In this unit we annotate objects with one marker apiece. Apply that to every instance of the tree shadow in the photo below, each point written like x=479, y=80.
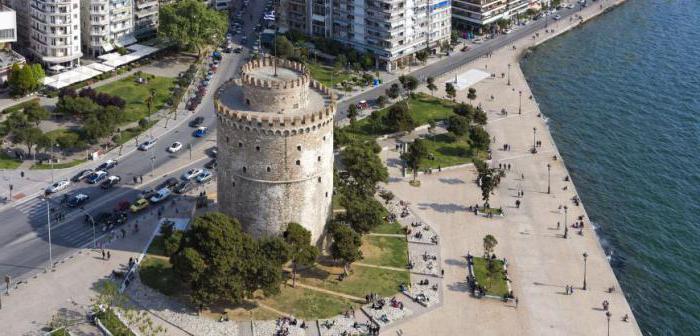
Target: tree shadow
x=456, y=262
x=451, y=181
x=443, y=208
x=458, y=287
x=393, y=162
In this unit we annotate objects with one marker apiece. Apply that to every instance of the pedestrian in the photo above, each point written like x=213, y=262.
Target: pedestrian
x=109, y=255
x=571, y=289
x=103, y=254
x=522, y=176
x=509, y=166
x=442, y=272
x=516, y=302
x=123, y=233
x=558, y=225
x=131, y=261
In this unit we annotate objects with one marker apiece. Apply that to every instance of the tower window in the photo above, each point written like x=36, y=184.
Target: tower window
x=268, y=169
x=247, y=101
x=298, y=163
x=227, y=139
x=324, y=138
x=299, y=147
x=244, y=169
x=319, y=179
x=326, y=194
x=257, y=148
x=233, y=183
x=319, y=159
x=240, y=145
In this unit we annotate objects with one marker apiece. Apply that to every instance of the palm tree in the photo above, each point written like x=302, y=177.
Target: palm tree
x=149, y=103
x=431, y=85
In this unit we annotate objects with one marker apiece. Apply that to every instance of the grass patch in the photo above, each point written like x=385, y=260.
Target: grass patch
x=448, y=150
x=70, y=164
x=388, y=228
x=113, y=324
x=59, y=332
x=324, y=74
x=135, y=94
x=156, y=248
x=244, y=312
x=20, y=106
x=491, y=211
x=361, y=281
x=7, y=162
x=307, y=304
x=157, y=273
x=132, y=132
x=494, y=282
x=385, y=251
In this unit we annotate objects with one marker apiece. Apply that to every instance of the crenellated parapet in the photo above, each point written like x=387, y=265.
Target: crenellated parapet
x=250, y=78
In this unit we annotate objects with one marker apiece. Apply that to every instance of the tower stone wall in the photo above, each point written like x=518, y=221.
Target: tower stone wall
x=275, y=161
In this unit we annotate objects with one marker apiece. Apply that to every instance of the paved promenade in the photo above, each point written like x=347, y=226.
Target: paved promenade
x=541, y=262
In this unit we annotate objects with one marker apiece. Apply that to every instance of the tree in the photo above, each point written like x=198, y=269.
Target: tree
x=192, y=24
x=36, y=113
x=414, y=156
x=346, y=246
x=458, y=125
x=352, y=112
x=393, y=91
x=431, y=85
x=283, y=46
x=422, y=56
x=381, y=101
x=464, y=110
x=362, y=211
x=364, y=166
x=28, y=136
x=480, y=116
x=398, y=119
x=480, y=137
x=409, y=83
x=450, y=90
x=471, y=94
x=490, y=243
x=386, y=195
x=301, y=251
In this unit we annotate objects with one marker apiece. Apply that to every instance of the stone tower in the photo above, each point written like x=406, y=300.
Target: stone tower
x=275, y=140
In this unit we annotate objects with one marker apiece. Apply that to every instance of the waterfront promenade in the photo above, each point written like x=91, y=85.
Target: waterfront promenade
x=542, y=262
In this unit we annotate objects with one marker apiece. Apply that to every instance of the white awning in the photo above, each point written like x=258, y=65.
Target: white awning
x=75, y=75
x=469, y=78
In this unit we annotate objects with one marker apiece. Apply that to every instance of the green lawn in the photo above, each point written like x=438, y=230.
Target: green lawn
x=308, y=304
x=132, y=132
x=7, y=162
x=113, y=324
x=20, y=106
x=157, y=273
x=135, y=94
x=448, y=150
x=361, y=281
x=388, y=228
x=385, y=251
x=63, y=165
x=156, y=247
x=324, y=74
x=495, y=283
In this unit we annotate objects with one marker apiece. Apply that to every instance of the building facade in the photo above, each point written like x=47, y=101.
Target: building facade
x=477, y=14
x=146, y=19
x=275, y=141
x=106, y=25
x=8, y=35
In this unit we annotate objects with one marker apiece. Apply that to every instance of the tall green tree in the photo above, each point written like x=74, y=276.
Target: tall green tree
x=398, y=118
x=362, y=211
x=489, y=243
x=345, y=246
x=464, y=110
x=393, y=91
x=352, y=112
x=36, y=113
x=431, y=85
x=301, y=251
x=458, y=125
x=283, y=46
x=364, y=166
x=28, y=136
x=192, y=24
x=415, y=155
x=409, y=83
x=471, y=94
x=480, y=137
x=450, y=91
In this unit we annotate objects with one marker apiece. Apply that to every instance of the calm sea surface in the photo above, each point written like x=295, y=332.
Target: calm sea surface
x=623, y=97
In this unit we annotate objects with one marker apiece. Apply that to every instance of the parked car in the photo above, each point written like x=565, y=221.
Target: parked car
x=110, y=182
x=139, y=205
x=183, y=187
x=211, y=164
x=148, y=193
x=196, y=122
x=82, y=175
x=176, y=146
x=146, y=145
x=161, y=195
x=192, y=173
x=107, y=165
x=96, y=177
x=170, y=183
x=205, y=176
x=200, y=132
x=57, y=186
x=77, y=200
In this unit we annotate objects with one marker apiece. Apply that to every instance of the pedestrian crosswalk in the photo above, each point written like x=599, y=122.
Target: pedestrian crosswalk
x=67, y=225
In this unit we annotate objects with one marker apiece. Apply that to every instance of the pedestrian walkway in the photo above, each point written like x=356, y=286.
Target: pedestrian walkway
x=381, y=267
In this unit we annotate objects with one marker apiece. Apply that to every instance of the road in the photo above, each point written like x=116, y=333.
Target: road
x=24, y=234
x=458, y=59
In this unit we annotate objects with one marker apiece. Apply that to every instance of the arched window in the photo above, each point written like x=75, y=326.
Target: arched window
x=269, y=169
x=298, y=163
x=319, y=179
x=319, y=159
x=257, y=148
x=240, y=145
x=299, y=148
x=244, y=169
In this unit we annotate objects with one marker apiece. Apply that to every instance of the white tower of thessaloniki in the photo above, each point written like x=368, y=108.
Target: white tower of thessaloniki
x=275, y=142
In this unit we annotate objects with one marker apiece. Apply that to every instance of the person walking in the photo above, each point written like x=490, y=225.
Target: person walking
x=103, y=254
x=109, y=255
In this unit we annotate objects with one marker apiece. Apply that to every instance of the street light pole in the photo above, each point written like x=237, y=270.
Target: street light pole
x=189, y=146
x=48, y=219
x=153, y=159
x=508, y=74
x=520, y=102
x=549, y=186
x=608, y=314
x=534, y=143
x=566, y=226
x=585, y=257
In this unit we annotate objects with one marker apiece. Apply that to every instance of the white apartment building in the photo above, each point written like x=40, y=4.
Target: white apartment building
x=476, y=14
x=393, y=30
x=8, y=35
x=107, y=25
x=146, y=18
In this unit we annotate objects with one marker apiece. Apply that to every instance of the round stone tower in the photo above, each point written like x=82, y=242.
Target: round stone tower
x=275, y=142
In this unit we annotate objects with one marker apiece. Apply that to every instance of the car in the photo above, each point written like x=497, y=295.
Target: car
x=97, y=176
x=183, y=187
x=110, y=182
x=57, y=186
x=77, y=200
x=176, y=146
x=139, y=205
x=214, y=151
x=238, y=50
x=107, y=165
x=200, y=132
x=146, y=145
x=161, y=195
x=196, y=122
x=81, y=175
x=211, y=164
x=192, y=173
x=557, y=17
x=205, y=176
x=170, y=183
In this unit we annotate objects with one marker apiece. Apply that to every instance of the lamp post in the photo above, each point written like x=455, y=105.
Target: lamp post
x=508, y=74
x=520, y=102
x=189, y=147
x=48, y=221
x=566, y=227
x=549, y=171
x=534, y=141
x=608, y=314
x=585, y=257
x=153, y=159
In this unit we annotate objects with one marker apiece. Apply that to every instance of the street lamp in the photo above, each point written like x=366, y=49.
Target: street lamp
x=189, y=146
x=608, y=314
x=48, y=221
x=520, y=102
x=153, y=159
x=585, y=257
x=534, y=143
x=549, y=171
x=508, y=74
x=566, y=227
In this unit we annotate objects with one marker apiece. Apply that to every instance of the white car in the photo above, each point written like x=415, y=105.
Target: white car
x=146, y=145
x=176, y=146
x=192, y=173
x=57, y=186
x=205, y=176
x=161, y=195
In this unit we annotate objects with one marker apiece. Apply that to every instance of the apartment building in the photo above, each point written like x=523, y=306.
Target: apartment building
x=8, y=35
x=476, y=14
x=146, y=18
x=106, y=25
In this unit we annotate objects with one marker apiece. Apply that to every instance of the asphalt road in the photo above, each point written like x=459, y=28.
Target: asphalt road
x=24, y=233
